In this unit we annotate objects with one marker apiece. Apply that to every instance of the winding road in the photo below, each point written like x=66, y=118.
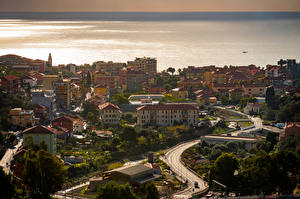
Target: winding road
x=7, y=158
x=173, y=159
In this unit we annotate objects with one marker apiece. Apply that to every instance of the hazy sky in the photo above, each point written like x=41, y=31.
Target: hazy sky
x=148, y=5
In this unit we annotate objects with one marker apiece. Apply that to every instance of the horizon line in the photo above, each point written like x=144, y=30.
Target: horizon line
x=226, y=11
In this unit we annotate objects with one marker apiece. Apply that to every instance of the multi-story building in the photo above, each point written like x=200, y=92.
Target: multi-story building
x=49, y=81
x=255, y=89
x=191, y=84
x=179, y=93
x=37, y=134
x=23, y=118
x=109, y=113
x=133, y=80
x=220, y=76
x=69, y=124
x=145, y=64
x=45, y=98
x=113, y=68
x=12, y=84
x=10, y=60
x=222, y=87
x=63, y=94
x=167, y=114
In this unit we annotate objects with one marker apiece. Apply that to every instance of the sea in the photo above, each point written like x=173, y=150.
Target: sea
x=176, y=39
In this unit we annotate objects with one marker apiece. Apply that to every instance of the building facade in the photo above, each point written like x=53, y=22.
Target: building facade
x=109, y=113
x=10, y=83
x=167, y=115
x=37, y=134
x=23, y=118
x=145, y=64
x=63, y=94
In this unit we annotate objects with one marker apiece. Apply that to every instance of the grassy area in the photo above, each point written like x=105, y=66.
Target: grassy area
x=206, y=118
x=220, y=130
x=115, y=165
x=245, y=124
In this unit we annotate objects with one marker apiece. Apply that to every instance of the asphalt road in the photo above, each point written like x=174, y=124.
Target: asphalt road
x=172, y=158
x=7, y=158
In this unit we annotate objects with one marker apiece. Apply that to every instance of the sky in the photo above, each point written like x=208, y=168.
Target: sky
x=147, y=5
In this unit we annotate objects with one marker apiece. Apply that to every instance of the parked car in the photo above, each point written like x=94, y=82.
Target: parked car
x=196, y=185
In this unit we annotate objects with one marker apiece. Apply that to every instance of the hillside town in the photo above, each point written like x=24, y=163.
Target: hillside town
x=98, y=119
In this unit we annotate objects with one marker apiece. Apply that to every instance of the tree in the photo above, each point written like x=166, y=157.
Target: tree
x=119, y=99
x=115, y=191
x=142, y=141
x=179, y=70
x=288, y=164
x=171, y=70
x=44, y=173
x=129, y=134
x=272, y=138
x=7, y=187
x=89, y=79
x=151, y=192
x=258, y=174
x=270, y=94
x=224, y=169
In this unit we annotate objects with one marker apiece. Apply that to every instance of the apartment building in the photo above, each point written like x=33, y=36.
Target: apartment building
x=23, y=118
x=37, y=134
x=109, y=113
x=167, y=114
x=49, y=81
x=113, y=68
x=63, y=94
x=133, y=80
x=145, y=64
x=255, y=89
x=11, y=84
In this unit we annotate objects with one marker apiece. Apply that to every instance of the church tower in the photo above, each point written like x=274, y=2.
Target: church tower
x=49, y=60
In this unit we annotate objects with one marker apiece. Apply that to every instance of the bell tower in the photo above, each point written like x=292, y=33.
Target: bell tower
x=49, y=60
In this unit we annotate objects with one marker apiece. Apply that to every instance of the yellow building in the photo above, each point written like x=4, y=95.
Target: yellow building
x=49, y=81
x=179, y=93
x=23, y=118
x=99, y=90
x=208, y=77
x=63, y=94
x=255, y=89
x=167, y=115
x=220, y=77
x=37, y=134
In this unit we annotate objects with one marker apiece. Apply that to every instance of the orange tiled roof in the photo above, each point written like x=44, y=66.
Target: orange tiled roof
x=167, y=107
x=108, y=106
x=39, y=129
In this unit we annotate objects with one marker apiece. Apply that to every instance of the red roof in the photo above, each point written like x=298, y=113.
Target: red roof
x=39, y=129
x=11, y=77
x=292, y=129
x=108, y=106
x=64, y=117
x=167, y=107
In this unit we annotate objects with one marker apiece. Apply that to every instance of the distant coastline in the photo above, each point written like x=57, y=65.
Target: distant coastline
x=151, y=16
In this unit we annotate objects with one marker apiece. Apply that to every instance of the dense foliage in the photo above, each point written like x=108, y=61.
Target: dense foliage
x=116, y=191
x=269, y=167
x=282, y=108
x=44, y=173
